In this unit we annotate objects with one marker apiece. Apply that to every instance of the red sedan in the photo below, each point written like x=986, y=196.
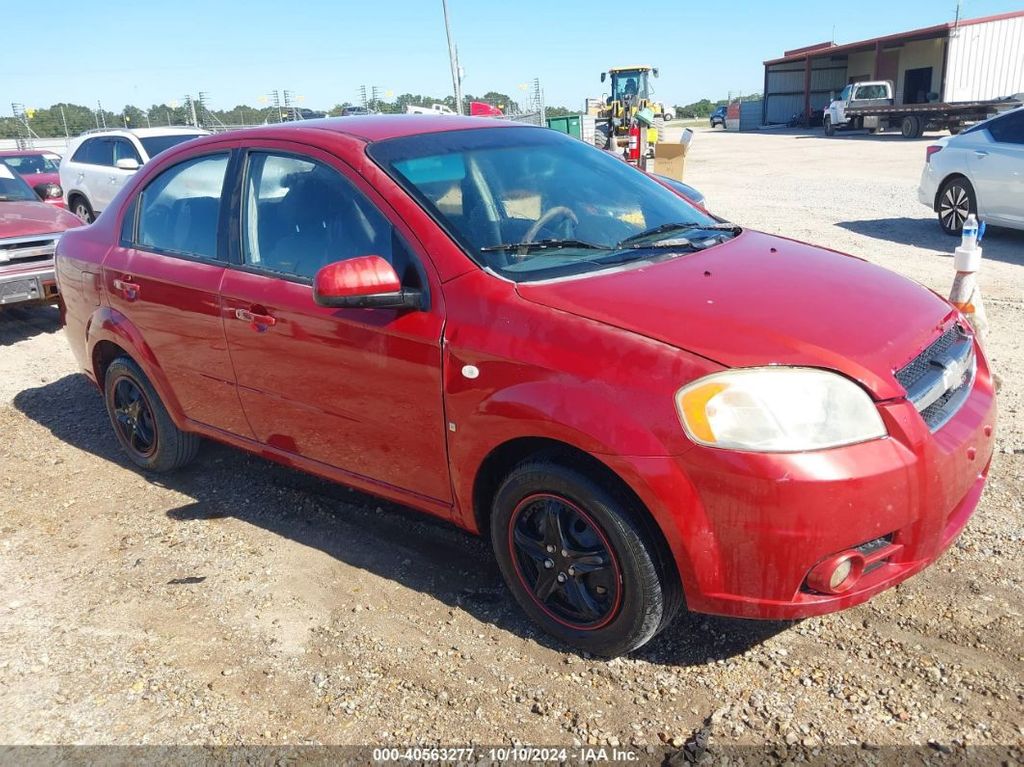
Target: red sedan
x=40, y=169
x=642, y=406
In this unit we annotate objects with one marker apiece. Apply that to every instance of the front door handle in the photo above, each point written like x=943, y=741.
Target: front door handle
x=980, y=153
x=129, y=290
x=258, y=320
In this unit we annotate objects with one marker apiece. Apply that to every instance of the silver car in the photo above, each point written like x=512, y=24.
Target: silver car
x=980, y=171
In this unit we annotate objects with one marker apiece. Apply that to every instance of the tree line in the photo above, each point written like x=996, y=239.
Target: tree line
x=705, y=107
x=64, y=119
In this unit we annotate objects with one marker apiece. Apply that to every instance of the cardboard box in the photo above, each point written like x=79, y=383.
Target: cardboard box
x=669, y=159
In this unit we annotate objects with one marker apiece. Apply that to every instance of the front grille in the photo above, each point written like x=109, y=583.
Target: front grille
x=938, y=380
x=25, y=250
x=875, y=547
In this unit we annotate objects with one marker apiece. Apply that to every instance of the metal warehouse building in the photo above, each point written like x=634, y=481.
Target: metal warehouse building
x=965, y=60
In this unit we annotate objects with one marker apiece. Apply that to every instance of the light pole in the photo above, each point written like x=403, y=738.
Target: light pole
x=453, y=56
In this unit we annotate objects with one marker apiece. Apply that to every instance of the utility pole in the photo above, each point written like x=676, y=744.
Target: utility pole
x=64, y=118
x=100, y=118
x=276, y=96
x=453, y=56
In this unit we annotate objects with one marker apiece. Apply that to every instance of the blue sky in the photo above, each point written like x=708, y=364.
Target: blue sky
x=148, y=52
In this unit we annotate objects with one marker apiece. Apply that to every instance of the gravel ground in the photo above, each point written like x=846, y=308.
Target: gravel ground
x=241, y=602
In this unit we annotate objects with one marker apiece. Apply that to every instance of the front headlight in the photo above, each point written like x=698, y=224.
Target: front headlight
x=777, y=410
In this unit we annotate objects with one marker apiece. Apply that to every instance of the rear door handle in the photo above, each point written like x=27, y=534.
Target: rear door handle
x=128, y=289
x=979, y=153
x=258, y=320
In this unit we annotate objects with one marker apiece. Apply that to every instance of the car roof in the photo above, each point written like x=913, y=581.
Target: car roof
x=169, y=130
x=24, y=152
x=372, y=128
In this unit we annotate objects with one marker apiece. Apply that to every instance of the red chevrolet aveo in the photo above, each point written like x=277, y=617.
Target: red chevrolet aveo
x=643, y=406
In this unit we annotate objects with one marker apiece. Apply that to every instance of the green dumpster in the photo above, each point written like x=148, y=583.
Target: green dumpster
x=569, y=124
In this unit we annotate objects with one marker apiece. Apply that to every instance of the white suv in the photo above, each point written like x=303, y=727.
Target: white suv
x=98, y=162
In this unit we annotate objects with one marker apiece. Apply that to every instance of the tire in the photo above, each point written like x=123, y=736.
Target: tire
x=613, y=609
x=955, y=201
x=81, y=208
x=872, y=131
x=666, y=117
x=140, y=421
x=911, y=127
x=601, y=133
x=830, y=129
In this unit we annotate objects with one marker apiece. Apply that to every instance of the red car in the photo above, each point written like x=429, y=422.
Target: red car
x=40, y=169
x=29, y=231
x=642, y=406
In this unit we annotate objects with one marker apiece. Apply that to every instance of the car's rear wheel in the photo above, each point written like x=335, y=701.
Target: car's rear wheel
x=956, y=202
x=141, y=422
x=578, y=561
x=829, y=128
x=81, y=208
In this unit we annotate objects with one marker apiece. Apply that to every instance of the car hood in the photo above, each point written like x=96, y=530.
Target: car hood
x=763, y=300
x=23, y=219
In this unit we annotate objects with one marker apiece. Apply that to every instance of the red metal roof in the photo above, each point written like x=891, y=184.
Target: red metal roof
x=938, y=30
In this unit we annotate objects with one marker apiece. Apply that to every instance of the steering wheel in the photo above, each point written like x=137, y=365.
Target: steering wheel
x=548, y=216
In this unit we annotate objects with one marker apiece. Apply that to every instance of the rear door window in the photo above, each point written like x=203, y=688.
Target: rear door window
x=1008, y=129
x=95, y=151
x=180, y=209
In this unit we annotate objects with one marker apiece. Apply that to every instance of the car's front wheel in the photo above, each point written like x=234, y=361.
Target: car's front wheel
x=956, y=202
x=81, y=208
x=141, y=422
x=579, y=562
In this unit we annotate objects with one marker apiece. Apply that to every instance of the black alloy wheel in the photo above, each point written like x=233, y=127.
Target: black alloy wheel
x=565, y=561
x=133, y=418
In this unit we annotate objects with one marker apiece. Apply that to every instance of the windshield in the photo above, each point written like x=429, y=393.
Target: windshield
x=26, y=164
x=154, y=145
x=632, y=83
x=13, y=188
x=533, y=204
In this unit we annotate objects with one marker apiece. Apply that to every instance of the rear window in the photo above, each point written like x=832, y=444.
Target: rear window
x=154, y=145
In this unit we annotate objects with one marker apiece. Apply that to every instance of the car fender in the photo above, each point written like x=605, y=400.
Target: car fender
x=107, y=324
x=580, y=416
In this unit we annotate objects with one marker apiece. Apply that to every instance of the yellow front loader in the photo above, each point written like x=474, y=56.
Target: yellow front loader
x=630, y=93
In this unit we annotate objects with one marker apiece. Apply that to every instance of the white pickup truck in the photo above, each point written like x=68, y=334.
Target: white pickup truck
x=433, y=109
x=871, y=105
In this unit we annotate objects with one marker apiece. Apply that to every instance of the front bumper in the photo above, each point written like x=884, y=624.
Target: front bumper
x=28, y=284
x=746, y=528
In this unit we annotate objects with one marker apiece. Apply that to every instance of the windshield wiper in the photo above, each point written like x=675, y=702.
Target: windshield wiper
x=676, y=227
x=526, y=247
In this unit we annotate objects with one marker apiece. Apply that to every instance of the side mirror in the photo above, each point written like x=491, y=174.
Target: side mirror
x=363, y=282
x=655, y=71
x=603, y=76
x=127, y=163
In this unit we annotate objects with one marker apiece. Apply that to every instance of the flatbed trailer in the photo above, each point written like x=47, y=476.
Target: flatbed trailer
x=870, y=105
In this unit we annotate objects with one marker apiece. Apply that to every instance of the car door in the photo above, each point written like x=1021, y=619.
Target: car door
x=997, y=168
x=356, y=389
x=163, y=278
x=93, y=161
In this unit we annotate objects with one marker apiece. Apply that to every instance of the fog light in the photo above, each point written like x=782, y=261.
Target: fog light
x=839, y=573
